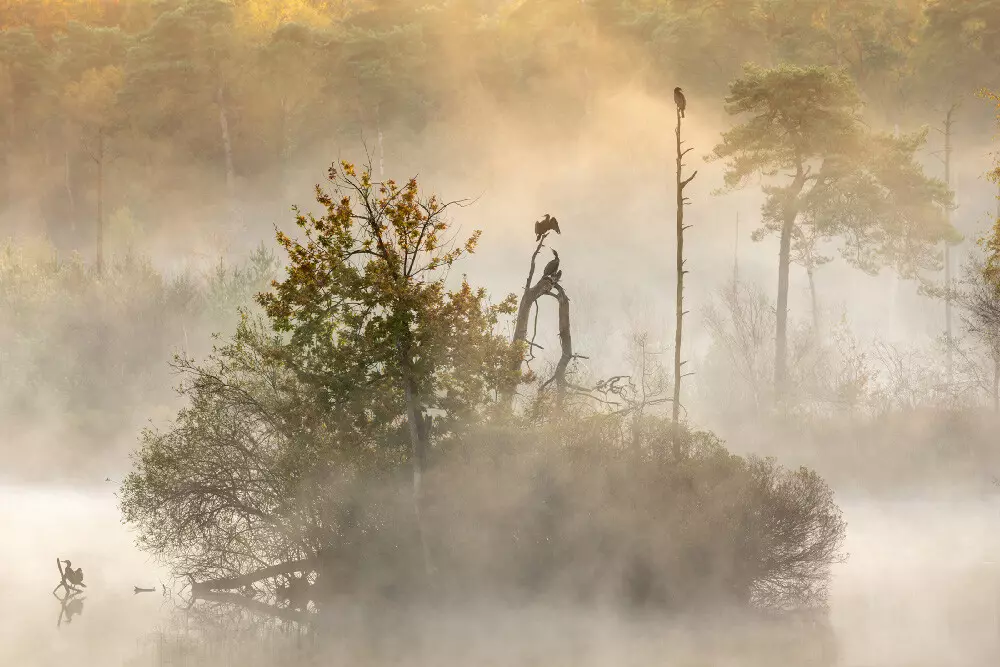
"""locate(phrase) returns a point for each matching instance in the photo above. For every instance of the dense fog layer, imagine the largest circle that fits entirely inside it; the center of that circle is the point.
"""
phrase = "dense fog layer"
(919, 588)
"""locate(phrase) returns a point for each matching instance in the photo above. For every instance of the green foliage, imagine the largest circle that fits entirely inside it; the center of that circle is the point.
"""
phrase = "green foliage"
(175, 70)
(368, 310)
(887, 210)
(953, 52)
(291, 76)
(255, 468)
(843, 180)
(245, 449)
(796, 115)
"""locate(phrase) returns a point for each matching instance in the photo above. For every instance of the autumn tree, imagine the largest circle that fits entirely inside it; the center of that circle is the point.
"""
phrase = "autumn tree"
(805, 138)
(373, 326)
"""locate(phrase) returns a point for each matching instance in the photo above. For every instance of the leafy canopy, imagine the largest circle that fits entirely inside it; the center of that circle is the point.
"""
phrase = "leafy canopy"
(367, 307)
(797, 114)
(843, 181)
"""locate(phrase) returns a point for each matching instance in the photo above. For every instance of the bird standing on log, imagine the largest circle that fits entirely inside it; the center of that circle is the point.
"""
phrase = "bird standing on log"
(680, 100)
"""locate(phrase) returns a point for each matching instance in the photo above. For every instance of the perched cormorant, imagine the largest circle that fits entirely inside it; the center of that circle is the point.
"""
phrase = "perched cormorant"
(74, 577)
(679, 99)
(553, 266)
(546, 224)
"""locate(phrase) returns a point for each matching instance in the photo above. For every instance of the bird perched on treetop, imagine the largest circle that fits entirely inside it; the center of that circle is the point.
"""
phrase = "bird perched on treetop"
(553, 266)
(545, 225)
(679, 99)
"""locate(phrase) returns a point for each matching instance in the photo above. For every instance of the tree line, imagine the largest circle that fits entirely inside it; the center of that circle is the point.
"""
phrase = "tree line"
(188, 107)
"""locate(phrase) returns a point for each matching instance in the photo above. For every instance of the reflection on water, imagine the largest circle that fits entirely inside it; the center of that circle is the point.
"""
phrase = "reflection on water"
(70, 605)
(39, 525)
(920, 588)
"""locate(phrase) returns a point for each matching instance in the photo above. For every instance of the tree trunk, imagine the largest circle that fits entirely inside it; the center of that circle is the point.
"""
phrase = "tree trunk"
(7, 162)
(679, 297)
(681, 183)
(283, 148)
(70, 197)
(227, 148)
(811, 272)
(791, 211)
(100, 201)
(418, 447)
(565, 342)
(530, 295)
(950, 358)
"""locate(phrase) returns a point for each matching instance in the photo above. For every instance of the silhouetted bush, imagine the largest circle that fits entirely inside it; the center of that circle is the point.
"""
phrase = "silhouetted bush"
(561, 510)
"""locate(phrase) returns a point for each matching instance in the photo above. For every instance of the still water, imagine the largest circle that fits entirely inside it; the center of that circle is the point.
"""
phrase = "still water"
(920, 586)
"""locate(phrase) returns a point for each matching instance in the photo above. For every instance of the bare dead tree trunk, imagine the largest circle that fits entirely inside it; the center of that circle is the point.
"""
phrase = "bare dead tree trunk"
(532, 293)
(681, 183)
(565, 342)
(529, 297)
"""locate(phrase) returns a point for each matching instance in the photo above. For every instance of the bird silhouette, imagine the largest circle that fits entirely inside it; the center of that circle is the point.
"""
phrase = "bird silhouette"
(553, 266)
(75, 577)
(545, 225)
(680, 100)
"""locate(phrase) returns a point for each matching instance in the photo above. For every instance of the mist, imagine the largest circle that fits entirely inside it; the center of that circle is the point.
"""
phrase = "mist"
(177, 417)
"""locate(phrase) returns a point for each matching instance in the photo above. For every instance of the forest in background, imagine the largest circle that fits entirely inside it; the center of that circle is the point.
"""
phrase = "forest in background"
(198, 117)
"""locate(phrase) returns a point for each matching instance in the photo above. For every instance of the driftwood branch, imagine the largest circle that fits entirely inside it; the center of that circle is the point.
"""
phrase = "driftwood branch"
(232, 583)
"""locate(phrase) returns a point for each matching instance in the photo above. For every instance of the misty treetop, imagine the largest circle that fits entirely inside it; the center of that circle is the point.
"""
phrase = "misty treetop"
(827, 176)
(203, 103)
(372, 323)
